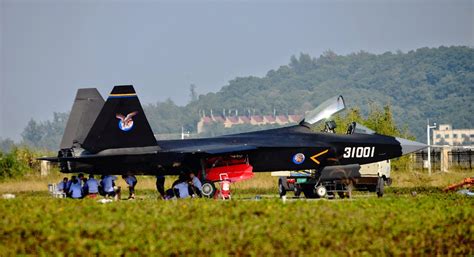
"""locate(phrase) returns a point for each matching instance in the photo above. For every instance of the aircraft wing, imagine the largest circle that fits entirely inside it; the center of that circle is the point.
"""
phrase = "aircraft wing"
(213, 149)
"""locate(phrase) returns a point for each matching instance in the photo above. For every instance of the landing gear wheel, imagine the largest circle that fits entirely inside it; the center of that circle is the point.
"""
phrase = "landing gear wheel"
(208, 189)
(380, 187)
(321, 191)
(281, 188)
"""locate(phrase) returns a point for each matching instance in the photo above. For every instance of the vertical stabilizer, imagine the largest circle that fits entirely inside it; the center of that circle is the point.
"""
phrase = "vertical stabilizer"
(86, 108)
(121, 123)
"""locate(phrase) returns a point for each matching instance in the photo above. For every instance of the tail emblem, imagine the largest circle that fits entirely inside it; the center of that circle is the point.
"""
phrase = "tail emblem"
(125, 122)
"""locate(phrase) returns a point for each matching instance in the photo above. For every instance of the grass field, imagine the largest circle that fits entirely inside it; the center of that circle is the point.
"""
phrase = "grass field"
(428, 224)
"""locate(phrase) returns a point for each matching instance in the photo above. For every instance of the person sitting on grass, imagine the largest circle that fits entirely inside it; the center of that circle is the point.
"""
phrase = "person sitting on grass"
(131, 182)
(75, 191)
(174, 190)
(101, 186)
(68, 186)
(91, 187)
(61, 187)
(181, 187)
(110, 190)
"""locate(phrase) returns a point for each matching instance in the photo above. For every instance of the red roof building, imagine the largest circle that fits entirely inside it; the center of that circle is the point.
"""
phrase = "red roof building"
(269, 119)
(295, 118)
(244, 119)
(281, 119)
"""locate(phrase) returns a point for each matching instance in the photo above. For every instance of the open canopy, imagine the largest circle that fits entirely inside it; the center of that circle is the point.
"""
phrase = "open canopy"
(361, 129)
(329, 107)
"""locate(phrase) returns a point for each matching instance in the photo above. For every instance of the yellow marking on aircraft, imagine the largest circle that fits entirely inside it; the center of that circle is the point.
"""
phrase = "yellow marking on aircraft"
(132, 94)
(317, 155)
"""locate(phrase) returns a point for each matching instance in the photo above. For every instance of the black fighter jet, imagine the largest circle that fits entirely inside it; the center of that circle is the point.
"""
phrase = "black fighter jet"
(114, 137)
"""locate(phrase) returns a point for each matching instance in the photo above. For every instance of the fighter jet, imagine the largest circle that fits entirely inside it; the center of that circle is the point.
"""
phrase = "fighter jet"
(114, 137)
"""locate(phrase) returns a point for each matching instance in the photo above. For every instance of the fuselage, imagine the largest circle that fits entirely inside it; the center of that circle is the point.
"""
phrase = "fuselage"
(290, 148)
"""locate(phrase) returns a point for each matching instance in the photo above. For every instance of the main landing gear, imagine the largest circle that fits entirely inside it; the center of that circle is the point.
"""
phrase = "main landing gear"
(208, 189)
(315, 188)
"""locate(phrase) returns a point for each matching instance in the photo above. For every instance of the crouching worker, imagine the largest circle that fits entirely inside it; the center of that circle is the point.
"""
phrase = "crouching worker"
(181, 187)
(91, 187)
(110, 190)
(196, 185)
(131, 182)
(75, 190)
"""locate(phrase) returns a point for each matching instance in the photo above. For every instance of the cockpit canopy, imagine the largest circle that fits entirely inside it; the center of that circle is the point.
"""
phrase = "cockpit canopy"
(361, 129)
(329, 107)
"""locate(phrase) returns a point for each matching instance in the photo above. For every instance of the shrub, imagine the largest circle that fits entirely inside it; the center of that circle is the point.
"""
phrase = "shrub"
(19, 162)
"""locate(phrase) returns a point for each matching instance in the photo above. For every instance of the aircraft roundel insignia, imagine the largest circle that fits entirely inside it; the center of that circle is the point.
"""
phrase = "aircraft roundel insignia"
(298, 158)
(125, 122)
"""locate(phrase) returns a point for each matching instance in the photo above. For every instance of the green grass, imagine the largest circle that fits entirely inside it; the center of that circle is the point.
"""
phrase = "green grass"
(399, 224)
(432, 223)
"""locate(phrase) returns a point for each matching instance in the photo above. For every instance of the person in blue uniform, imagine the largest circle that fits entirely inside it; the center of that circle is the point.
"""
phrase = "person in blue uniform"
(75, 191)
(91, 187)
(182, 189)
(196, 184)
(68, 186)
(61, 187)
(109, 187)
(81, 178)
(131, 182)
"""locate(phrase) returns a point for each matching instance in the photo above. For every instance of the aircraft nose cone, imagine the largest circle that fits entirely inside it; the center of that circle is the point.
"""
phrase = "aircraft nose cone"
(409, 146)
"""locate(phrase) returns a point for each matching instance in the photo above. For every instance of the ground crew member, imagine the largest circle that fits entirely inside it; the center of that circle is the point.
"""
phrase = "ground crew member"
(68, 186)
(160, 185)
(183, 189)
(181, 186)
(109, 188)
(61, 187)
(195, 183)
(75, 191)
(81, 178)
(131, 182)
(91, 187)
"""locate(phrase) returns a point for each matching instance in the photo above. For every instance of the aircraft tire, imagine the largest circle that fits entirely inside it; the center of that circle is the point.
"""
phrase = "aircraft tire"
(208, 189)
(281, 188)
(321, 191)
(380, 187)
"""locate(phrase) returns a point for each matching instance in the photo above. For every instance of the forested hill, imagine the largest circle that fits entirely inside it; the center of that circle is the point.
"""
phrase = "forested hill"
(435, 83)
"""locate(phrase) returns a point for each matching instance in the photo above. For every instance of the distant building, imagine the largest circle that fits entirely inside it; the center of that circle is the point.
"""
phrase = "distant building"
(446, 135)
(256, 120)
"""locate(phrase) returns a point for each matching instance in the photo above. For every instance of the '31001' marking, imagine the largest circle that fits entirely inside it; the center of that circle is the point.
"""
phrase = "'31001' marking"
(359, 152)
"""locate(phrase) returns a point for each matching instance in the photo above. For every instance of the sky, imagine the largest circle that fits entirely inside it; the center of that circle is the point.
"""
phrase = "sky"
(49, 49)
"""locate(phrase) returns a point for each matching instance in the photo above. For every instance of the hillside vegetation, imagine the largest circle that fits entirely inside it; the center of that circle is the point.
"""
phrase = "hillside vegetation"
(435, 83)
